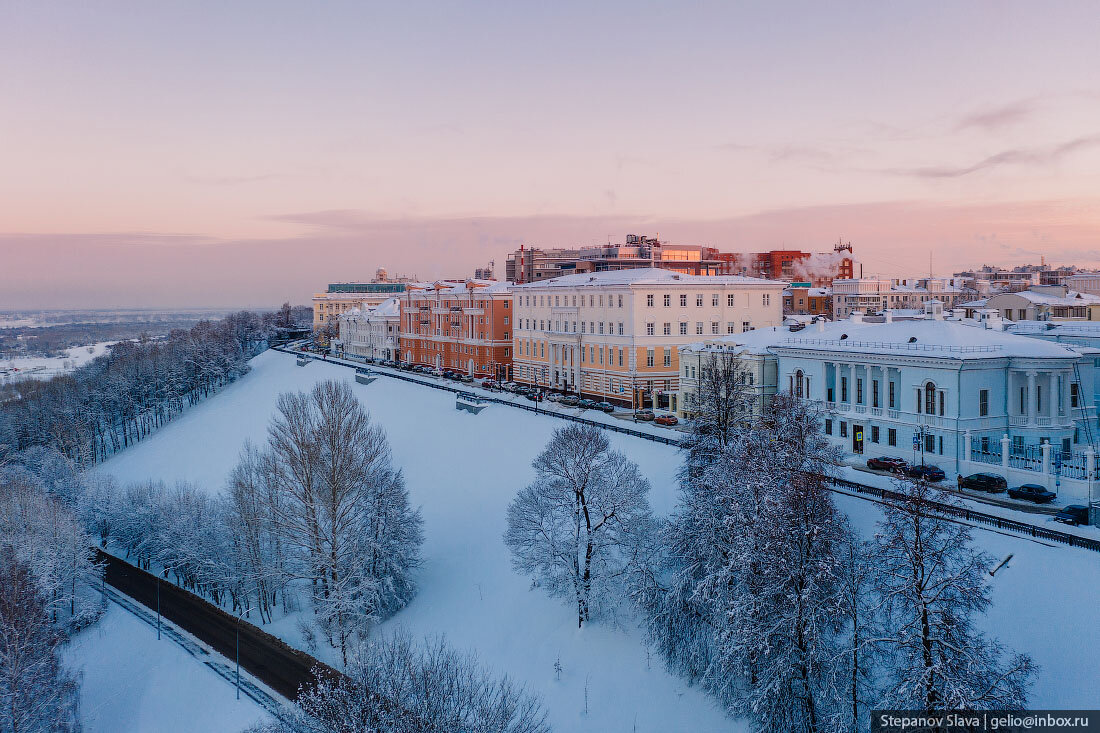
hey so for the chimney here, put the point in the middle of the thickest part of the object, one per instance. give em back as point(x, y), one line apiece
point(889, 313)
point(820, 324)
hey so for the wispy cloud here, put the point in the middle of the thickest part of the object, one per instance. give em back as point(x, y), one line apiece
point(995, 118)
point(1014, 156)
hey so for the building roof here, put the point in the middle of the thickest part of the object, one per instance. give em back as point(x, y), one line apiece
point(455, 287)
point(1071, 298)
point(648, 276)
point(756, 341)
point(931, 338)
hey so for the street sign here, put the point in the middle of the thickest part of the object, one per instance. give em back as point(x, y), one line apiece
point(916, 442)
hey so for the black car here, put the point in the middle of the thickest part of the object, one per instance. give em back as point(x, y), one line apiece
point(605, 407)
point(927, 472)
point(1073, 514)
point(533, 396)
point(886, 463)
point(1032, 492)
point(586, 404)
point(983, 482)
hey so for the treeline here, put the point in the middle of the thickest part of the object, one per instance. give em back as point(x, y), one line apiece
point(756, 588)
point(48, 590)
point(138, 386)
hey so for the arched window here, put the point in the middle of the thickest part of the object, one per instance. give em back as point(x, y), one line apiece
point(799, 381)
point(930, 399)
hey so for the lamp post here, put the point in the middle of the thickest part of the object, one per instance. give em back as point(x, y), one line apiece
point(158, 608)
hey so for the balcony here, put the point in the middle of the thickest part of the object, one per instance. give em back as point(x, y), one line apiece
point(893, 414)
point(877, 411)
point(1017, 421)
point(830, 406)
point(861, 408)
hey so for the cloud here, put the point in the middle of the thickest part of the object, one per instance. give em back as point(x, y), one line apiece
point(1015, 156)
point(995, 118)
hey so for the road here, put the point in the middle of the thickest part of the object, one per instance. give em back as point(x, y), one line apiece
point(282, 668)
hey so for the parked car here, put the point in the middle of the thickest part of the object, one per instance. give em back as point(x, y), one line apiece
point(1073, 514)
point(488, 384)
point(605, 407)
point(644, 415)
point(887, 463)
point(553, 397)
point(509, 386)
point(534, 396)
point(570, 400)
point(586, 404)
point(927, 472)
point(666, 420)
point(983, 482)
point(466, 379)
point(1032, 492)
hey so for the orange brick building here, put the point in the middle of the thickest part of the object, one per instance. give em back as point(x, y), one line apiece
point(464, 326)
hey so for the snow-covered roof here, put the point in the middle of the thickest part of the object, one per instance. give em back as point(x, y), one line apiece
point(647, 276)
point(980, 303)
point(756, 341)
point(453, 287)
point(810, 292)
point(931, 338)
point(390, 307)
point(1071, 298)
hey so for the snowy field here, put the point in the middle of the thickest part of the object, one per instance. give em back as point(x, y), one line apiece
point(133, 683)
point(463, 470)
point(12, 370)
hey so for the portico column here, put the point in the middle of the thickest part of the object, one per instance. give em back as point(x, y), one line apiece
point(1032, 406)
point(1053, 397)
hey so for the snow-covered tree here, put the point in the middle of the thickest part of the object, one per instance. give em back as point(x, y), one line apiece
point(934, 583)
point(577, 528)
point(396, 686)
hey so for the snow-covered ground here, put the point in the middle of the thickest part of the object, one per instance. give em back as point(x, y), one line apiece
point(463, 470)
point(12, 370)
point(133, 683)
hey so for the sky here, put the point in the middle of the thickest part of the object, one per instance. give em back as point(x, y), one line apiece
point(165, 154)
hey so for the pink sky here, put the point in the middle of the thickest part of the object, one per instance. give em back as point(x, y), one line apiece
point(248, 153)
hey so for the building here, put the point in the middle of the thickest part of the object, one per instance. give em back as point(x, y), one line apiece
point(818, 269)
point(535, 265)
point(615, 335)
point(917, 389)
point(800, 299)
point(340, 298)
point(371, 333)
point(876, 294)
point(1045, 303)
point(752, 349)
point(465, 326)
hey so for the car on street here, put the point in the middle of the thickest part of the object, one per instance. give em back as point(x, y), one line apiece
point(644, 415)
point(927, 472)
point(887, 463)
point(1073, 514)
point(488, 384)
point(553, 397)
point(983, 482)
point(605, 407)
point(586, 404)
point(666, 420)
point(534, 396)
point(570, 400)
point(1032, 492)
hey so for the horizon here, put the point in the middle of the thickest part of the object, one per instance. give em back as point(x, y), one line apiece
point(320, 144)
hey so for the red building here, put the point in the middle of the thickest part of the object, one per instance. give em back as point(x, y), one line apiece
point(817, 268)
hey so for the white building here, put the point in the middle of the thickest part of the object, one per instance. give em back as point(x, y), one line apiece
point(752, 349)
point(372, 333)
point(616, 335)
point(873, 294)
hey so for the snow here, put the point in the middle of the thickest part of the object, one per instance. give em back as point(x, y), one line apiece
point(35, 367)
point(462, 470)
point(132, 682)
point(644, 276)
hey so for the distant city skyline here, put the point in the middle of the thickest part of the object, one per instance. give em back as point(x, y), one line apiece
point(168, 155)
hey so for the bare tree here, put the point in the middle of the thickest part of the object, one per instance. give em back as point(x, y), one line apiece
point(933, 582)
point(576, 527)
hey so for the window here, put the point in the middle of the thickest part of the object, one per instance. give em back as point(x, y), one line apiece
point(874, 394)
point(620, 301)
point(649, 329)
point(668, 328)
point(843, 429)
point(699, 328)
point(930, 399)
point(649, 300)
point(844, 389)
point(746, 326)
point(891, 436)
point(601, 355)
point(929, 443)
point(1072, 394)
point(829, 394)
point(683, 300)
point(668, 300)
point(983, 402)
point(874, 433)
point(714, 327)
point(668, 357)
point(649, 357)
point(683, 328)
point(729, 300)
point(620, 328)
point(766, 298)
point(828, 427)
point(892, 404)
point(698, 300)
point(601, 328)
point(859, 391)
point(714, 300)
point(583, 327)
point(729, 327)
point(620, 357)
